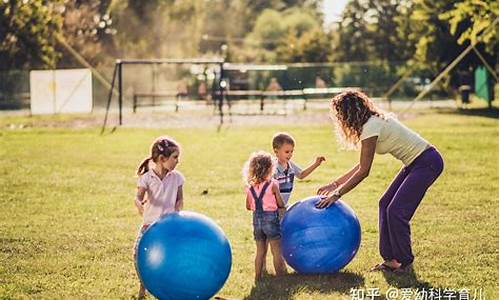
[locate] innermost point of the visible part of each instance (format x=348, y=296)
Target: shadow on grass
x=285, y=287
x=411, y=280
x=406, y=280
x=478, y=112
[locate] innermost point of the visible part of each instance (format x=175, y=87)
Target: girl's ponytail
x=163, y=145
x=144, y=166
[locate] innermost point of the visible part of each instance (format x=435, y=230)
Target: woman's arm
x=326, y=189
x=342, y=179
x=365, y=164
x=363, y=170
x=179, y=203
x=139, y=199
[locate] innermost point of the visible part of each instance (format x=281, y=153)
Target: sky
x=332, y=9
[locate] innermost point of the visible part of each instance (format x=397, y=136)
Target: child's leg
x=142, y=289
x=264, y=264
x=260, y=257
x=142, y=292
x=278, y=261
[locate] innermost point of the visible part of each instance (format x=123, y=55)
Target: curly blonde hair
x=350, y=111
x=258, y=168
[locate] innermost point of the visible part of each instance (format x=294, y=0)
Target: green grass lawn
x=68, y=222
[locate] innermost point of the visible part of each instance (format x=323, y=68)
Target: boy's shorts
x=266, y=226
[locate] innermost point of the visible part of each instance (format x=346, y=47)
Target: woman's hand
x=326, y=189
x=327, y=201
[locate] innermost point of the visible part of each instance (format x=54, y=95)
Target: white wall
x=61, y=91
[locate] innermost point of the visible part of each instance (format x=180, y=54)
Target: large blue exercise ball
x=319, y=240
x=184, y=255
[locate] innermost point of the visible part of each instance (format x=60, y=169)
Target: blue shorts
x=266, y=225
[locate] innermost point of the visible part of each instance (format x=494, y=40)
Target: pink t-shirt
x=269, y=202
x=162, y=193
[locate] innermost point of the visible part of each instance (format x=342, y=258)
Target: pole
x=120, y=92
x=110, y=96
x=221, y=94
x=493, y=73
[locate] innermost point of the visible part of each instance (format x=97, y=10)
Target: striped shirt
x=285, y=178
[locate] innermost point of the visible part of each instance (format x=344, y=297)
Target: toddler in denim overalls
x=264, y=199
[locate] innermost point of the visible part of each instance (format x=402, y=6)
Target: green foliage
x=474, y=18
x=479, y=15
x=373, y=30
x=424, y=35
x=231, y=23
x=289, y=49
x=268, y=30
x=27, y=33
x=286, y=37
x=299, y=21
x=164, y=29
x=88, y=29
x=435, y=46
x=442, y=30
x=352, y=43
x=312, y=46
x=316, y=46
x=375, y=77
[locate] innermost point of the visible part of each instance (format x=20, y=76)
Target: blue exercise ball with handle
x=184, y=255
x=315, y=240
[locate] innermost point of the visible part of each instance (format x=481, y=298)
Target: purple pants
x=399, y=202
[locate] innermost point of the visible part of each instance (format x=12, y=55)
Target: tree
x=27, y=33
x=312, y=46
x=166, y=29
x=224, y=23
x=444, y=29
x=373, y=30
x=87, y=28
x=276, y=35
x=435, y=45
x=473, y=21
x=472, y=18
x=257, y=7
x=268, y=30
x=353, y=32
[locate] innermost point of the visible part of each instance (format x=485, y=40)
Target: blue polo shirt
x=285, y=178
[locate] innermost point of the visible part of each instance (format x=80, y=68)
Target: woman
x=359, y=121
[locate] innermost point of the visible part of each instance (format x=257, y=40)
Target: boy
x=286, y=170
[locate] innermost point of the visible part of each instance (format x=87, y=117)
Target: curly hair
x=258, y=168
x=350, y=111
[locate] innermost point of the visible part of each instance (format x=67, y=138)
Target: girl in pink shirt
x=162, y=184
x=264, y=199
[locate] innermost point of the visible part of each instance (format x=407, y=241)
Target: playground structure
x=241, y=89
x=264, y=89
x=219, y=81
